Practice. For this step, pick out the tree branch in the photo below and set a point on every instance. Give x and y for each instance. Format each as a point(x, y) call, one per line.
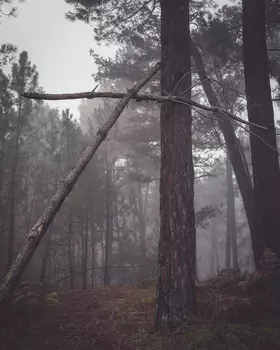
point(38, 231)
point(138, 98)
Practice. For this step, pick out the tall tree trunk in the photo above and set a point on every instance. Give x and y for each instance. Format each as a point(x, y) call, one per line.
point(231, 246)
point(45, 258)
point(231, 222)
point(142, 231)
point(265, 163)
point(93, 242)
point(235, 150)
point(85, 250)
point(70, 256)
point(176, 298)
point(141, 222)
point(213, 251)
point(12, 191)
point(109, 223)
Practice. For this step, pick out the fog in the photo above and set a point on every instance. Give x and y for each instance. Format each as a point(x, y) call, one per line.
point(108, 228)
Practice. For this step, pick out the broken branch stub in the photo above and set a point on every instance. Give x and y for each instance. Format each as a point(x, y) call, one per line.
point(37, 232)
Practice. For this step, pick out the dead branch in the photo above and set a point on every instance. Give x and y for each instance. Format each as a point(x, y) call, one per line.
point(138, 98)
point(37, 232)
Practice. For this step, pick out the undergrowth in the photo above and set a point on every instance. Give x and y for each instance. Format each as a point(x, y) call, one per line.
point(234, 311)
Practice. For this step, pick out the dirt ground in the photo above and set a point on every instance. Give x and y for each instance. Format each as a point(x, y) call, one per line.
point(82, 320)
point(234, 312)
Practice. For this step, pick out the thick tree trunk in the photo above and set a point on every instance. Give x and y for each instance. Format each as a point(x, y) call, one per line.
point(235, 151)
point(176, 298)
point(38, 231)
point(265, 163)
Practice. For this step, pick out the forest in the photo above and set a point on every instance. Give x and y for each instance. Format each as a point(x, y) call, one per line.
point(148, 219)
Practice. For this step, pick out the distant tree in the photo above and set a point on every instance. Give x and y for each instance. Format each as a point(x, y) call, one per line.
point(24, 78)
point(231, 240)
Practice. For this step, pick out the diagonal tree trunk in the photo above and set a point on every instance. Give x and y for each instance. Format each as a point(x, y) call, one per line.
point(176, 298)
point(38, 231)
point(233, 145)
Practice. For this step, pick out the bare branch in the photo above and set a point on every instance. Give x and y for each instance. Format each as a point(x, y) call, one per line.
point(138, 98)
point(38, 231)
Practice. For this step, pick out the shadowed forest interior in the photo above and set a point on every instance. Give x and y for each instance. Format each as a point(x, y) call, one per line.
point(150, 217)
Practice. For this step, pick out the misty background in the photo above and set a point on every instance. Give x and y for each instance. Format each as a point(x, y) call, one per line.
point(108, 229)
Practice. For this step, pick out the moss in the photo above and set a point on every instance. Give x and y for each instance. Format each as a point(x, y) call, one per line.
point(52, 298)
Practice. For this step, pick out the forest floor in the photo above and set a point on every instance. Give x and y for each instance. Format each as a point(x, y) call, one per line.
point(234, 312)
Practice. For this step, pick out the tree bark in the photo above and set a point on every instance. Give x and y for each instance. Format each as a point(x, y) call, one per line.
point(266, 174)
point(38, 231)
point(176, 298)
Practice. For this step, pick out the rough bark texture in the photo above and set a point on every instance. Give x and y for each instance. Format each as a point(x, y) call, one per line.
point(265, 164)
point(38, 231)
point(231, 223)
point(177, 261)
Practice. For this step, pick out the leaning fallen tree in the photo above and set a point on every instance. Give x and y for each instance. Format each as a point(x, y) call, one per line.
point(38, 231)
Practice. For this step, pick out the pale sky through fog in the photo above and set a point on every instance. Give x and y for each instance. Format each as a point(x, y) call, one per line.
point(59, 48)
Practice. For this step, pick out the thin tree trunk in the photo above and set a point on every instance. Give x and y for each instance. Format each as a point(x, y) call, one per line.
point(265, 163)
point(38, 231)
point(109, 223)
point(46, 256)
point(230, 213)
point(12, 191)
point(70, 254)
point(231, 221)
point(176, 298)
point(85, 250)
point(213, 252)
point(142, 223)
point(93, 242)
